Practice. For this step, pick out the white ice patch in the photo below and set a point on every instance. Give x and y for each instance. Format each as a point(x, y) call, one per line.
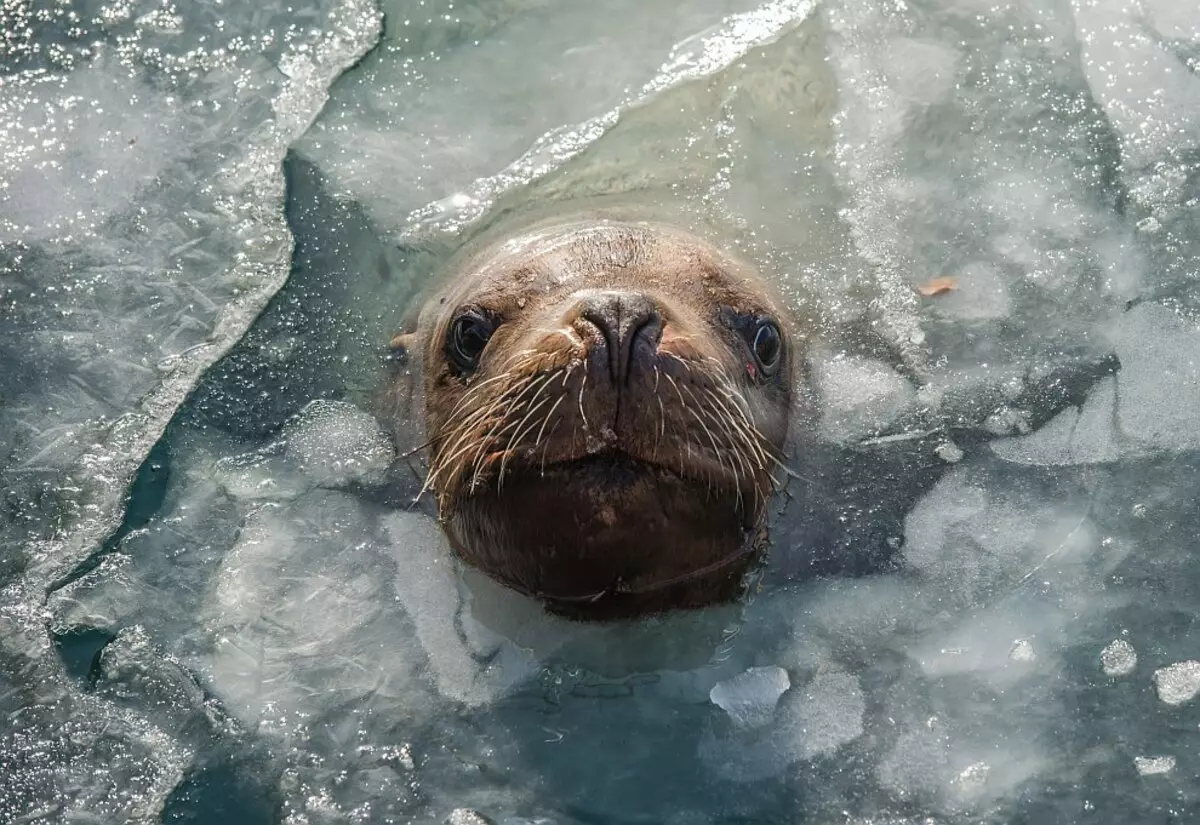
point(336, 443)
point(859, 396)
point(1178, 683)
point(1153, 765)
point(1118, 658)
point(750, 697)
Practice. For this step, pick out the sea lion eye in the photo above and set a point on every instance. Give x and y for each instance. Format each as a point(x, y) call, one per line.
point(768, 347)
point(469, 334)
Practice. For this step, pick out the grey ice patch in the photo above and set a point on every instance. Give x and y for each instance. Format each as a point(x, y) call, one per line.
point(812, 721)
point(1074, 436)
point(750, 698)
point(1178, 683)
point(1118, 658)
point(1159, 383)
point(468, 662)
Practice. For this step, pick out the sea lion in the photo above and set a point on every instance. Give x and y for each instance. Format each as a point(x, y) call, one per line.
point(605, 404)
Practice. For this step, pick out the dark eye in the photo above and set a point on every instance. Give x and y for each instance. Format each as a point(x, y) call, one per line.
point(469, 334)
point(768, 347)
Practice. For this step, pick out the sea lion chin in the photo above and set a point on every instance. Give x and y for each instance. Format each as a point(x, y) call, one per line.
point(605, 409)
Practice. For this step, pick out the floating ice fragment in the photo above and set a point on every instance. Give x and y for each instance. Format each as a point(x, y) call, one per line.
point(860, 396)
point(949, 452)
point(1178, 683)
point(465, 816)
point(750, 698)
point(335, 443)
point(1154, 765)
point(1118, 659)
point(1022, 651)
point(973, 777)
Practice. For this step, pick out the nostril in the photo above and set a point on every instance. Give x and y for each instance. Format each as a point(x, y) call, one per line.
point(627, 321)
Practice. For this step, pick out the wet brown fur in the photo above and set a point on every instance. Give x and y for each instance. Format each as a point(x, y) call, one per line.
point(605, 493)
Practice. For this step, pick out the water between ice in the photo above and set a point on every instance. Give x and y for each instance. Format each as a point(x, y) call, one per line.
point(274, 634)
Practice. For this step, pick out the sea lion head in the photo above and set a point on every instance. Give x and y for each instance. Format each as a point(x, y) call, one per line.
point(605, 409)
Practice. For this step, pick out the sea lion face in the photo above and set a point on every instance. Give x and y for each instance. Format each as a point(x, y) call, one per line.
point(605, 407)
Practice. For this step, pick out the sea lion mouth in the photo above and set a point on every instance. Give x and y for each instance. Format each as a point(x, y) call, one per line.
point(604, 534)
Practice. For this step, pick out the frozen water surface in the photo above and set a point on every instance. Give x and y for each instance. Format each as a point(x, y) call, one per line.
point(218, 602)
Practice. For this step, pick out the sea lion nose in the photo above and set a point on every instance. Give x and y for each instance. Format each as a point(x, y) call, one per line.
point(630, 324)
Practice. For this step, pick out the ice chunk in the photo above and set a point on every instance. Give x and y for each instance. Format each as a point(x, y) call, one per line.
point(1159, 384)
point(1153, 765)
point(1178, 683)
point(750, 697)
point(1147, 92)
point(859, 396)
point(1074, 436)
point(812, 721)
point(336, 443)
point(1022, 651)
point(394, 119)
point(469, 663)
point(1118, 658)
point(302, 600)
point(465, 816)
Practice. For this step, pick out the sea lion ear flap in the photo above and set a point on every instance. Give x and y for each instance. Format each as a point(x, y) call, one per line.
point(400, 346)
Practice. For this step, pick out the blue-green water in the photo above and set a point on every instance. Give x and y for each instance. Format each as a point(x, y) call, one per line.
point(217, 603)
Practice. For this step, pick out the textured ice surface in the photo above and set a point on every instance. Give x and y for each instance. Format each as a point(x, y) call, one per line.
point(140, 232)
point(1006, 484)
point(1118, 658)
point(1178, 683)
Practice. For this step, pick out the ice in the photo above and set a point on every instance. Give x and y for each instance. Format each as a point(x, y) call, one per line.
point(750, 697)
point(336, 443)
point(1118, 658)
point(1159, 386)
point(859, 397)
point(1178, 683)
point(1075, 436)
point(455, 123)
point(1154, 765)
point(1001, 503)
point(141, 231)
point(814, 720)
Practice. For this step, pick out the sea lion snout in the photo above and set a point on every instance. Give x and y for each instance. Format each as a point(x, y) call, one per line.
point(623, 327)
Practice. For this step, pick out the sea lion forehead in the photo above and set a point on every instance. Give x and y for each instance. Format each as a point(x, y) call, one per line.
point(568, 256)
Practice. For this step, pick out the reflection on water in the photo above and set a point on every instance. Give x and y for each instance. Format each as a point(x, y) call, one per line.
point(980, 594)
